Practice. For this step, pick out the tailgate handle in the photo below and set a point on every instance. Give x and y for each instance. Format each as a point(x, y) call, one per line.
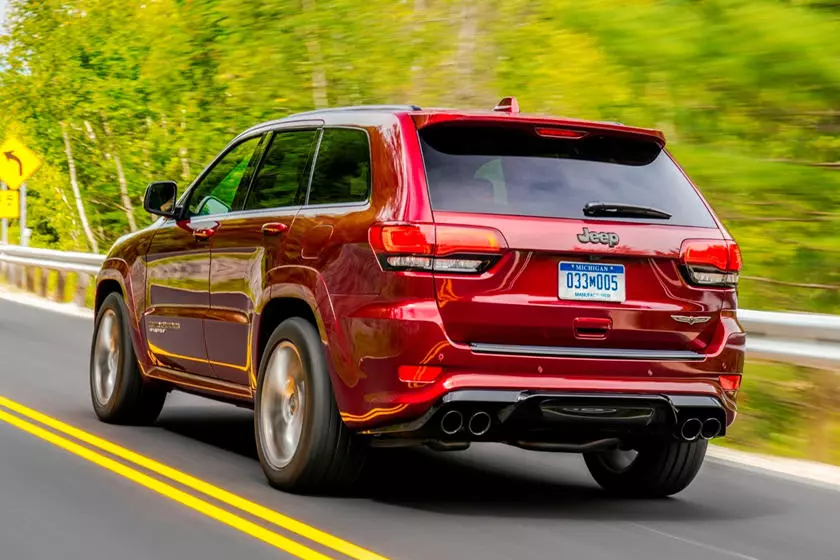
point(592, 327)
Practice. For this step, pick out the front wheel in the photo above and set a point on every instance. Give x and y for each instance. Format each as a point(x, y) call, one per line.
point(653, 470)
point(119, 393)
point(302, 442)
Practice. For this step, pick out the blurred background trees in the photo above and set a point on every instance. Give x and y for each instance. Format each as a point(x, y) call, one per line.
point(747, 91)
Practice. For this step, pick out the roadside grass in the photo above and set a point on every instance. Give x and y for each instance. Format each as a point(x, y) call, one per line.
point(788, 411)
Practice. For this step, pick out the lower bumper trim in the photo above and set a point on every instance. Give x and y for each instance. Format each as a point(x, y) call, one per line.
point(596, 353)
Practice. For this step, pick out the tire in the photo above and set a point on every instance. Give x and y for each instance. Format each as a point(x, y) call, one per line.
point(118, 391)
point(659, 469)
point(324, 456)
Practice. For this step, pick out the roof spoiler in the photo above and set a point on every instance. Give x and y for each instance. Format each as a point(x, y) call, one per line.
point(507, 105)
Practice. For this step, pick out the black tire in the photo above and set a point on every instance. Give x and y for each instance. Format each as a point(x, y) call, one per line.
point(660, 469)
point(328, 457)
point(133, 399)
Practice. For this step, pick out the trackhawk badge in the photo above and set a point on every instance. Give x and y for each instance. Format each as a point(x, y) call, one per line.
point(691, 319)
point(603, 237)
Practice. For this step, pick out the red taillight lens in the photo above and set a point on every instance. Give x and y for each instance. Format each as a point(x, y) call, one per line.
point(422, 246)
point(464, 239)
point(730, 382)
point(711, 262)
point(405, 238)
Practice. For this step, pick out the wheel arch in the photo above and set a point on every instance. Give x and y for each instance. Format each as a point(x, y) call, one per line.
point(113, 279)
point(310, 301)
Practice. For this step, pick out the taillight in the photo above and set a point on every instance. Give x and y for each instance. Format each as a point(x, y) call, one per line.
point(730, 384)
point(711, 262)
point(436, 247)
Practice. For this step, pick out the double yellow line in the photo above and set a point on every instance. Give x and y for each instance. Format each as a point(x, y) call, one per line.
point(222, 515)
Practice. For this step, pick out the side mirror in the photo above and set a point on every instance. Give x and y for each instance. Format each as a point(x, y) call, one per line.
point(160, 198)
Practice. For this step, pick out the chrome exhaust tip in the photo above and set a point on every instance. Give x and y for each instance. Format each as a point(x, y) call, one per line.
point(480, 423)
point(711, 428)
point(452, 422)
point(691, 429)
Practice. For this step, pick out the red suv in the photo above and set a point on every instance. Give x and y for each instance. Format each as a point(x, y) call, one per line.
point(394, 276)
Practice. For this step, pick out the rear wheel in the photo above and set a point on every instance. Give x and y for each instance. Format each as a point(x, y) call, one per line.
point(302, 442)
point(653, 470)
point(118, 391)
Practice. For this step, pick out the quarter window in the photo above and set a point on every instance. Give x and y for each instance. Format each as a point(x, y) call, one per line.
point(283, 176)
point(342, 168)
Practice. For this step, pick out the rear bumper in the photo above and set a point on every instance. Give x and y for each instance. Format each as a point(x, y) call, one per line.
point(370, 393)
point(559, 421)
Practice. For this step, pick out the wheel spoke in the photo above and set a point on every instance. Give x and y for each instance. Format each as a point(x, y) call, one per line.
point(106, 359)
point(281, 405)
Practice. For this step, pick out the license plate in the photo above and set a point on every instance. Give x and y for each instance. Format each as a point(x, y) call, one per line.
point(591, 281)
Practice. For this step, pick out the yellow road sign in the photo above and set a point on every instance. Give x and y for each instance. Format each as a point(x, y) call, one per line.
point(17, 163)
point(9, 204)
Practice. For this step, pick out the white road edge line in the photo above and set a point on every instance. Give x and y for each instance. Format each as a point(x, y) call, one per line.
point(805, 471)
point(709, 547)
point(32, 300)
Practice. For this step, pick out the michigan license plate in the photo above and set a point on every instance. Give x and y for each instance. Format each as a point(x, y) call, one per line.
point(591, 281)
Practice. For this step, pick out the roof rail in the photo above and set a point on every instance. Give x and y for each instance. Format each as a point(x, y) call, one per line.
point(360, 108)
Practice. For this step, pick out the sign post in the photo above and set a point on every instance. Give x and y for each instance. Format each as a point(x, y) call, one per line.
point(24, 232)
point(5, 221)
point(17, 164)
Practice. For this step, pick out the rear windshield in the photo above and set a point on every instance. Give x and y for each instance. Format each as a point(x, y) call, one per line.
point(511, 170)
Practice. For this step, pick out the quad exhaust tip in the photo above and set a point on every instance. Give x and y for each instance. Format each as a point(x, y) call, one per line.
point(694, 428)
point(691, 429)
point(480, 423)
point(452, 422)
point(711, 428)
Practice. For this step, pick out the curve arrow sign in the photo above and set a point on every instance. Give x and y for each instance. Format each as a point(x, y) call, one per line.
point(10, 155)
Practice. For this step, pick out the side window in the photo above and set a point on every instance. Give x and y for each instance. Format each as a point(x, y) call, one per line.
point(282, 178)
point(215, 194)
point(342, 168)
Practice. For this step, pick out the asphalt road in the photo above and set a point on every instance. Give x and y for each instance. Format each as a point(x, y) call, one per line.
point(491, 502)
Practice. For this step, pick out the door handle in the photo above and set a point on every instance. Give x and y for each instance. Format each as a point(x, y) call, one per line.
point(274, 228)
point(205, 233)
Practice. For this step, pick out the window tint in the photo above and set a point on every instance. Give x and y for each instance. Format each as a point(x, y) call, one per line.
point(511, 170)
point(216, 192)
point(342, 168)
point(283, 176)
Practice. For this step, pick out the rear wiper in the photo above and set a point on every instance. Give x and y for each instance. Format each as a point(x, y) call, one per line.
point(623, 210)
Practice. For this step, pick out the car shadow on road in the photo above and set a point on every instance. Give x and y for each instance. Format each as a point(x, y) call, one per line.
point(493, 481)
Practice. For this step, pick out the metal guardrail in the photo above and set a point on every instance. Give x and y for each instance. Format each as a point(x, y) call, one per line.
point(18, 265)
point(806, 339)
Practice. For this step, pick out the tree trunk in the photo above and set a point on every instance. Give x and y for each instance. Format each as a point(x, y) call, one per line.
point(316, 60)
point(415, 86)
point(467, 36)
point(128, 207)
point(182, 152)
point(71, 164)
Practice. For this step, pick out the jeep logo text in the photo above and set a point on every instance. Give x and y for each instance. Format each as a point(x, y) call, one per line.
point(603, 237)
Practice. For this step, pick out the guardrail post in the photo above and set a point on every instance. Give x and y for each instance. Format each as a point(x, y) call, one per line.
point(60, 283)
point(81, 289)
point(29, 279)
point(44, 284)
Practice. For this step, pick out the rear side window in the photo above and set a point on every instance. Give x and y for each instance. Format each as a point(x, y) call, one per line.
point(342, 168)
point(281, 179)
point(511, 170)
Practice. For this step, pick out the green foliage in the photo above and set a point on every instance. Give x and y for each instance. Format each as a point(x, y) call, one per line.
point(737, 86)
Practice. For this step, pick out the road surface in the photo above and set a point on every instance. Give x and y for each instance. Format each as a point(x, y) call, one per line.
point(60, 496)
